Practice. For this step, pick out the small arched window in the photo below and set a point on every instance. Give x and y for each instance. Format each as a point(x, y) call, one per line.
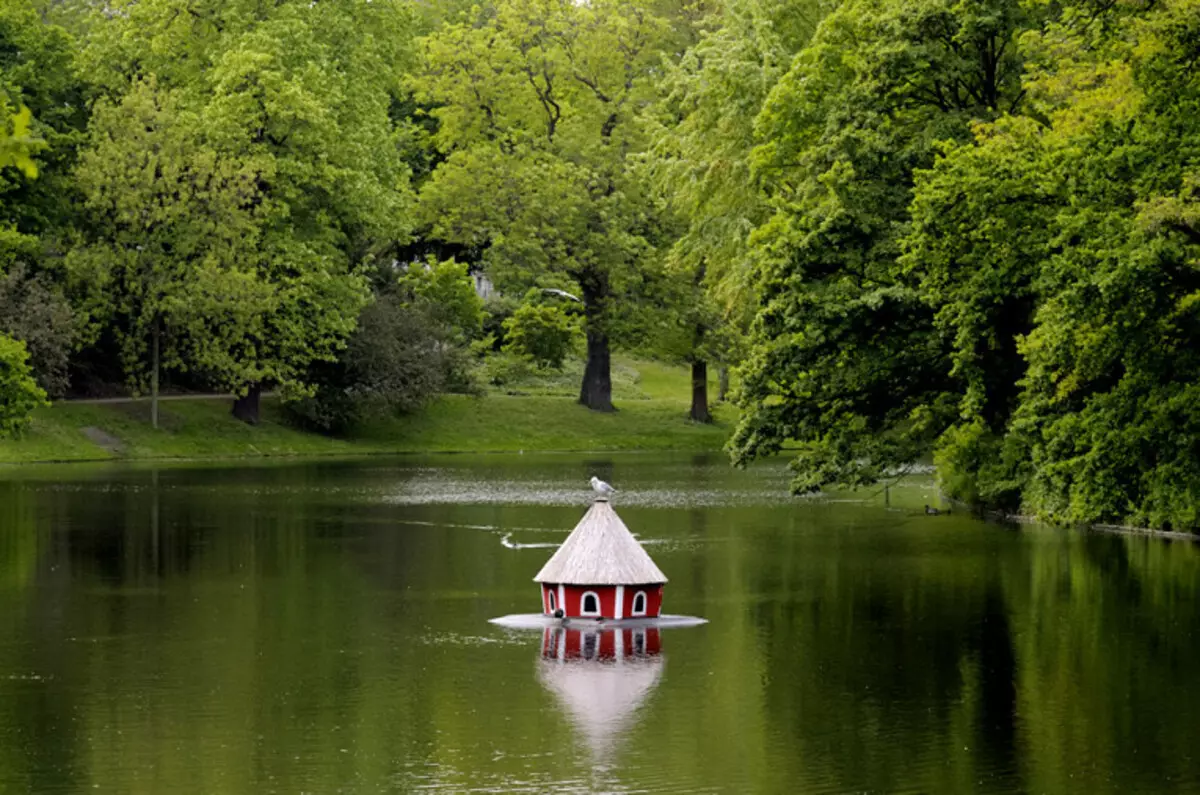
point(552, 601)
point(590, 604)
point(639, 604)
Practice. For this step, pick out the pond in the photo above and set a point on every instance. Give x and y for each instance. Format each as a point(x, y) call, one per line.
point(323, 627)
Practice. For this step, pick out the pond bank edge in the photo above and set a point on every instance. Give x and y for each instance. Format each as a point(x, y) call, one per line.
point(336, 455)
point(1098, 527)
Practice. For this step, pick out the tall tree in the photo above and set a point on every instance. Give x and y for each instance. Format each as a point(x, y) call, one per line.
point(847, 360)
point(984, 242)
point(43, 110)
point(19, 394)
point(1088, 235)
point(537, 103)
point(701, 164)
point(172, 266)
point(41, 115)
point(301, 95)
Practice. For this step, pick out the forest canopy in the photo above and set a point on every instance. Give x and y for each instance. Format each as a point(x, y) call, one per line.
point(917, 230)
point(984, 244)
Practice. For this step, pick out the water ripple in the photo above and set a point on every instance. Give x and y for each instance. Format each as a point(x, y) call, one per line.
point(442, 491)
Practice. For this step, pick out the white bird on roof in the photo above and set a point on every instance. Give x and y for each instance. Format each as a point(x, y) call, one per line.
point(602, 488)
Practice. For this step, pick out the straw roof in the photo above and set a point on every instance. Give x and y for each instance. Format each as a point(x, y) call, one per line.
point(600, 551)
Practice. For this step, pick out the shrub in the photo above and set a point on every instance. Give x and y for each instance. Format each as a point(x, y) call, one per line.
point(33, 311)
point(444, 290)
point(393, 362)
point(977, 466)
point(506, 371)
point(545, 333)
point(497, 309)
point(19, 393)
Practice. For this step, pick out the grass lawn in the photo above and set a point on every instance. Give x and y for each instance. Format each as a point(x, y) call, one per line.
point(652, 408)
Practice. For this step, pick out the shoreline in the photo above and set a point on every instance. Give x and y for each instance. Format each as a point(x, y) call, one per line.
point(1097, 527)
point(339, 455)
point(202, 429)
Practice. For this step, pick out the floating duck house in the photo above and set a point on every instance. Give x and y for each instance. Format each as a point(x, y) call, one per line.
point(601, 571)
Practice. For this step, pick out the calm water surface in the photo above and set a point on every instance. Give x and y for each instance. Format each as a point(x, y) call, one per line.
point(322, 628)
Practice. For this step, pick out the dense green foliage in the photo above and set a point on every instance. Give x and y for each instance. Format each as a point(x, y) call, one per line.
point(393, 362)
point(984, 242)
point(40, 84)
point(922, 227)
point(545, 333)
point(34, 312)
point(700, 164)
point(232, 183)
point(444, 291)
point(19, 393)
point(847, 360)
point(17, 143)
point(282, 173)
point(539, 108)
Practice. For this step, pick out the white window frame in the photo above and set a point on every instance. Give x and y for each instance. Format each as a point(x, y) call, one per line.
point(645, 601)
point(583, 611)
point(551, 601)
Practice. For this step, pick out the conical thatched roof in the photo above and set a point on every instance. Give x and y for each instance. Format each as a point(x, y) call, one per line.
point(601, 551)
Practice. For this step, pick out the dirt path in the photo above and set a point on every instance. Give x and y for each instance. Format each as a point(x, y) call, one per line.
point(146, 399)
point(104, 439)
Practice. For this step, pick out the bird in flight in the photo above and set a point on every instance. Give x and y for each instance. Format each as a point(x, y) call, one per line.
point(560, 294)
point(601, 488)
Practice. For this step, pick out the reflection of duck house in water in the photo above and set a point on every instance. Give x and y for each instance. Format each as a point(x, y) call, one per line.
point(566, 645)
point(601, 572)
point(601, 678)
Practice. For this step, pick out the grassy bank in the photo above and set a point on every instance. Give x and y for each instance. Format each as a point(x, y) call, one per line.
point(654, 419)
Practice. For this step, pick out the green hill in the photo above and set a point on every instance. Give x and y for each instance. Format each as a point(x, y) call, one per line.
point(652, 401)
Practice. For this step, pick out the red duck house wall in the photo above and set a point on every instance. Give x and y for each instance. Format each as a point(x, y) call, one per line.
point(613, 601)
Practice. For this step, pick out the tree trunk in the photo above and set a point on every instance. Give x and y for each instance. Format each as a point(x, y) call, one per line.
point(722, 383)
point(245, 408)
point(154, 377)
point(596, 391)
point(700, 392)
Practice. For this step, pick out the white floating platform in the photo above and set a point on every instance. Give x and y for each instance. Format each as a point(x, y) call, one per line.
point(541, 621)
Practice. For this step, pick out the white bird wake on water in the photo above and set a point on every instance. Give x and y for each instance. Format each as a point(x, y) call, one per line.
point(508, 543)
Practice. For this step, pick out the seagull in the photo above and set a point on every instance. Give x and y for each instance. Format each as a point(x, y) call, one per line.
point(560, 294)
point(602, 488)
